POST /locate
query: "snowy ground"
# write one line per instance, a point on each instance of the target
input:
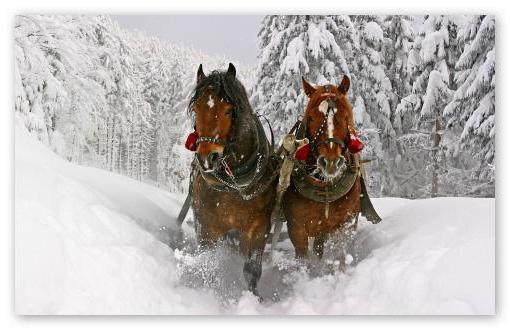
(90, 242)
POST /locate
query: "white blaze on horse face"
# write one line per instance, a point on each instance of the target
(324, 107)
(210, 102)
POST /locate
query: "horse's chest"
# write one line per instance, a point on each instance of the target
(317, 217)
(228, 209)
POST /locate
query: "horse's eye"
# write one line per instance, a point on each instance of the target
(228, 113)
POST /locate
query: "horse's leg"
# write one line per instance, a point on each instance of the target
(351, 240)
(252, 245)
(346, 253)
(318, 245)
(299, 239)
(207, 237)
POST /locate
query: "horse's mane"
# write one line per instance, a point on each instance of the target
(230, 89)
(225, 87)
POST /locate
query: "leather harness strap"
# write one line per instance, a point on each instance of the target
(262, 161)
(245, 179)
(331, 140)
(313, 188)
(210, 139)
(324, 191)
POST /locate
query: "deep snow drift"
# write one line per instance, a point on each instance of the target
(89, 241)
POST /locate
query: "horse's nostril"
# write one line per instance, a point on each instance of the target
(213, 157)
(322, 161)
(340, 161)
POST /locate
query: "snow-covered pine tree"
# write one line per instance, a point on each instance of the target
(398, 38)
(292, 47)
(432, 90)
(373, 90)
(169, 116)
(472, 110)
(100, 95)
(51, 63)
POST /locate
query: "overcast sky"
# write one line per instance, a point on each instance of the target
(234, 36)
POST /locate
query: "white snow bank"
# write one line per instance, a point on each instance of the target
(88, 242)
(432, 256)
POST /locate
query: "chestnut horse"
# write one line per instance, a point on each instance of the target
(324, 196)
(234, 186)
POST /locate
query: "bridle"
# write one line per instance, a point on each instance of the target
(242, 179)
(304, 179)
(217, 140)
(225, 143)
(214, 140)
(313, 140)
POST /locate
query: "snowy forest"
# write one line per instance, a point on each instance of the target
(423, 94)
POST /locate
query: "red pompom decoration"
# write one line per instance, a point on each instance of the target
(302, 152)
(355, 145)
(191, 141)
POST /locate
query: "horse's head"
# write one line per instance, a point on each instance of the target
(214, 111)
(328, 117)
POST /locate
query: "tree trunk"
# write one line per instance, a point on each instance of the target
(119, 154)
(140, 153)
(107, 165)
(153, 160)
(112, 142)
(436, 136)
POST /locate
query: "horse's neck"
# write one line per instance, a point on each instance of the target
(245, 140)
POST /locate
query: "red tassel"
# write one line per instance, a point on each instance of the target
(355, 145)
(302, 152)
(191, 141)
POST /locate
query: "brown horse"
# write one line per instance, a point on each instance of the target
(235, 184)
(324, 196)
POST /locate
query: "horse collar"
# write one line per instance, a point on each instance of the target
(325, 192)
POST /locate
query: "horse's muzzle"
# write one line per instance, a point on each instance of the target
(211, 161)
(331, 168)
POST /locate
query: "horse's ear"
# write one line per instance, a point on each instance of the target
(344, 85)
(200, 74)
(231, 71)
(309, 90)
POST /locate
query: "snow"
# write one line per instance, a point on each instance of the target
(320, 38)
(295, 58)
(435, 40)
(88, 241)
(373, 32)
(102, 85)
(436, 88)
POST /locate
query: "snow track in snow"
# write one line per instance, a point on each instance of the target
(88, 241)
